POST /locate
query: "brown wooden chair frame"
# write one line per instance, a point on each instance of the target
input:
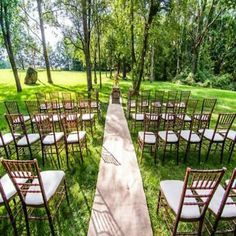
(17, 124)
(230, 191)
(224, 122)
(194, 180)
(71, 123)
(31, 171)
(46, 126)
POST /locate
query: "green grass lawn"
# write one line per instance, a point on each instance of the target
(82, 178)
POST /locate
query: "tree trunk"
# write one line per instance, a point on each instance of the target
(86, 14)
(195, 57)
(45, 53)
(133, 59)
(154, 7)
(5, 25)
(124, 69)
(99, 56)
(152, 64)
(95, 64)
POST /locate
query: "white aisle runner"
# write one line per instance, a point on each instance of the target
(120, 206)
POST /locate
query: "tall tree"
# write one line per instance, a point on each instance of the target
(6, 17)
(45, 53)
(154, 7)
(86, 18)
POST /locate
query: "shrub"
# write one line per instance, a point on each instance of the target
(224, 82)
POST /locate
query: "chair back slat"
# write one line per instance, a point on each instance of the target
(12, 107)
(229, 197)
(45, 124)
(27, 170)
(196, 181)
(184, 96)
(70, 122)
(225, 121)
(208, 105)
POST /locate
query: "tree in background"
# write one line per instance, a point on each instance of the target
(7, 8)
(45, 53)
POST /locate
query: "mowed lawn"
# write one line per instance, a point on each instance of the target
(82, 178)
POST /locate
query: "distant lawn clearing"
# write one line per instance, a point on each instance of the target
(82, 178)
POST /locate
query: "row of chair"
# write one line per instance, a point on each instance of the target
(188, 108)
(144, 102)
(37, 106)
(192, 199)
(174, 132)
(30, 190)
(55, 133)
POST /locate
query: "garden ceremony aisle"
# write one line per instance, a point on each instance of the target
(119, 206)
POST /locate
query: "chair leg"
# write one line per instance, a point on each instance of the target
(155, 155)
(30, 151)
(26, 219)
(175, 227)
(57, 153)
(222, 152)
(67, 197)
(17, 153)
(142, 147)
(50, 220)
(12, 219)
(43, 154)
(158, 201)
(231, 152)
(199, 152)
(200, 227)
(67, 155)
(208, 151)
(164, 153)
(86, 146)
(186, 151)
(177, 153)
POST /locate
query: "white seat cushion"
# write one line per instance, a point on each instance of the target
(153, 116)
(150, 137)
(73, 137)
(87, 117)
(44, 106)
(8, 186)
(156, 104)
(171, 136)
(168, 104)
(165, 116)
(25, 118)
(132, 103)
(202, 117)
(137, 116)
(69, 106)
(39, 118)
(187, 118)
(181, 104)
(31, 137)
(56, 117)
(72, 117)
(49, 139)
(172, 190)
(229, 210)
(51, 180)
(231, 134)
(7, 138)
(57, 105)
(208, 134)
(233, 186)
(194, 137)
(95, 104)
(144, 104)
